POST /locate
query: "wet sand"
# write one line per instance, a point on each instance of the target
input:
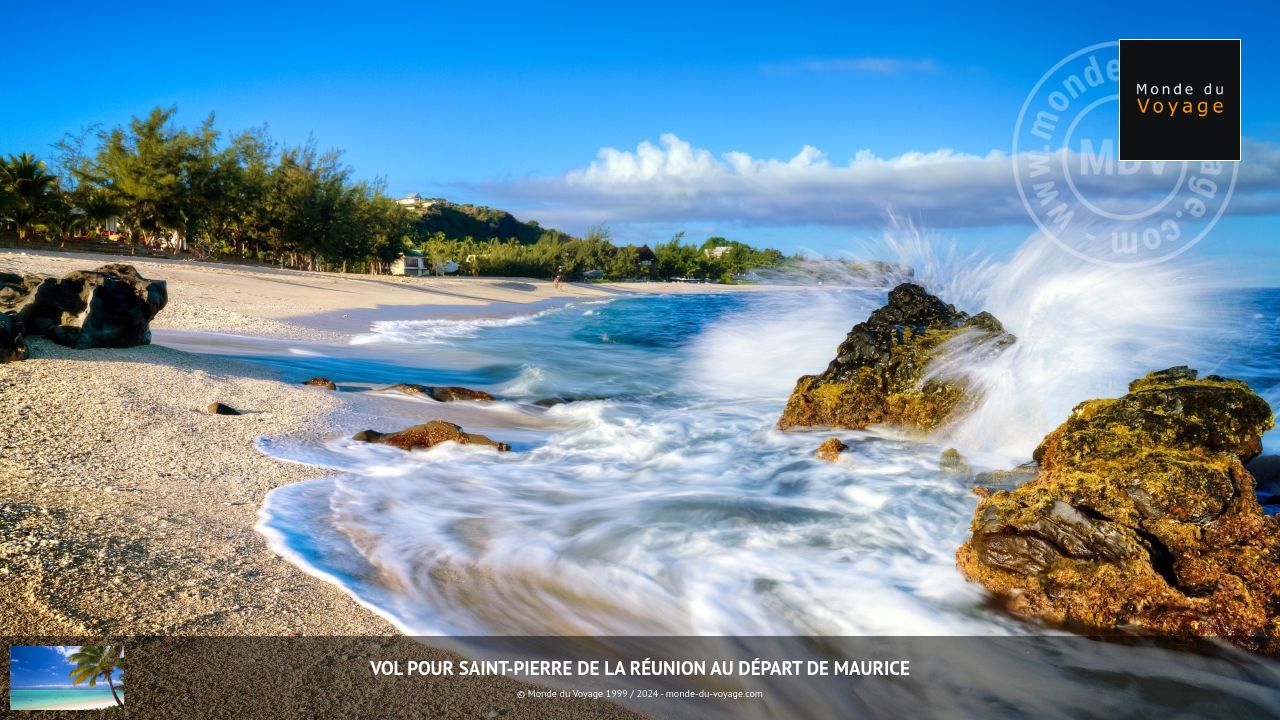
(127, 510)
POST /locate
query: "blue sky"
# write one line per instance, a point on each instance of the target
(502, 103)
(43, 666)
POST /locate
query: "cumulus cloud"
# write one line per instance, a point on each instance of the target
(673, 181)
(66, 651)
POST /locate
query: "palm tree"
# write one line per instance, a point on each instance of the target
(99, 206)
(29, 184)
(95, 661)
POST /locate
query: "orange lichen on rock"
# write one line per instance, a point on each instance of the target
(830, 449)
(1142, 517)
(878, 374)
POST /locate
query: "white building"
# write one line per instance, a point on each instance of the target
(414, 200)
(410, 263)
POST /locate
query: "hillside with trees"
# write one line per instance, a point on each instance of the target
(477, 221)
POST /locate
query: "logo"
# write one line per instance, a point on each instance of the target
(1081, 195)
(1180, 100)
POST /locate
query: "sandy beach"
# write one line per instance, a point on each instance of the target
(127, 510)
(262, 301)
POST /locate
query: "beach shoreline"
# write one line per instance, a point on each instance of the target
(130, 511)
(114, 476)
(263, 301)
(100, 701)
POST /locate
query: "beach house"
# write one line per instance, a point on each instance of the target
(410, 262)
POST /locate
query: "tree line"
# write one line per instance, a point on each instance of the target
(555, 253)
(243, 195)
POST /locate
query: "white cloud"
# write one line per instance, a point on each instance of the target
(674, 181)
(66, 651)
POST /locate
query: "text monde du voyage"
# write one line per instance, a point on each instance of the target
(1180, 99)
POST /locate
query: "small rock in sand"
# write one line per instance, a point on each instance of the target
(221, 409)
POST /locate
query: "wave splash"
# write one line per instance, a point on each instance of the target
(664, 502)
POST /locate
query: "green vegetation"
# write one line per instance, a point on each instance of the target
(214, 195)
(97, 661)
(555, 253)
(27, 191)
(478, 221)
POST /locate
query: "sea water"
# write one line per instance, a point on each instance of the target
(73, 698)
(661, 499)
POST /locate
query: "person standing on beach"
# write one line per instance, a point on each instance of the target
(559, 277)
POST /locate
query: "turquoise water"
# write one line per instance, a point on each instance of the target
(60, 698)
(664, 502)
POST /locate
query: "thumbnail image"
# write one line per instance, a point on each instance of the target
(66, 677)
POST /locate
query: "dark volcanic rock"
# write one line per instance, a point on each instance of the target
(1142, 516)
(13, 346)
(323, 382)
(878, 373)
(427, 435)
(109, 307)
(221, 409)
(554, 401)
(441, 393)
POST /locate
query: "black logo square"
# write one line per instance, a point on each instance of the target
(1179, 99)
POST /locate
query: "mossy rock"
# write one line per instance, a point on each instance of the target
(830, 449)
(1142, 517)
(427, 435)
(878, 374)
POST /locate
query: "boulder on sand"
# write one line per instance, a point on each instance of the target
(13, 346)
(429, 434)
(109, 307)
(322, 382)
(878, 374)
(1142, 517)
(440, 393)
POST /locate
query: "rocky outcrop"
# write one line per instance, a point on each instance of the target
(321, 382)
(109, 307)
(1142, 517)
(429, 434)
(441, 393)
(878, 374)
(13, 346)
(830, 449)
